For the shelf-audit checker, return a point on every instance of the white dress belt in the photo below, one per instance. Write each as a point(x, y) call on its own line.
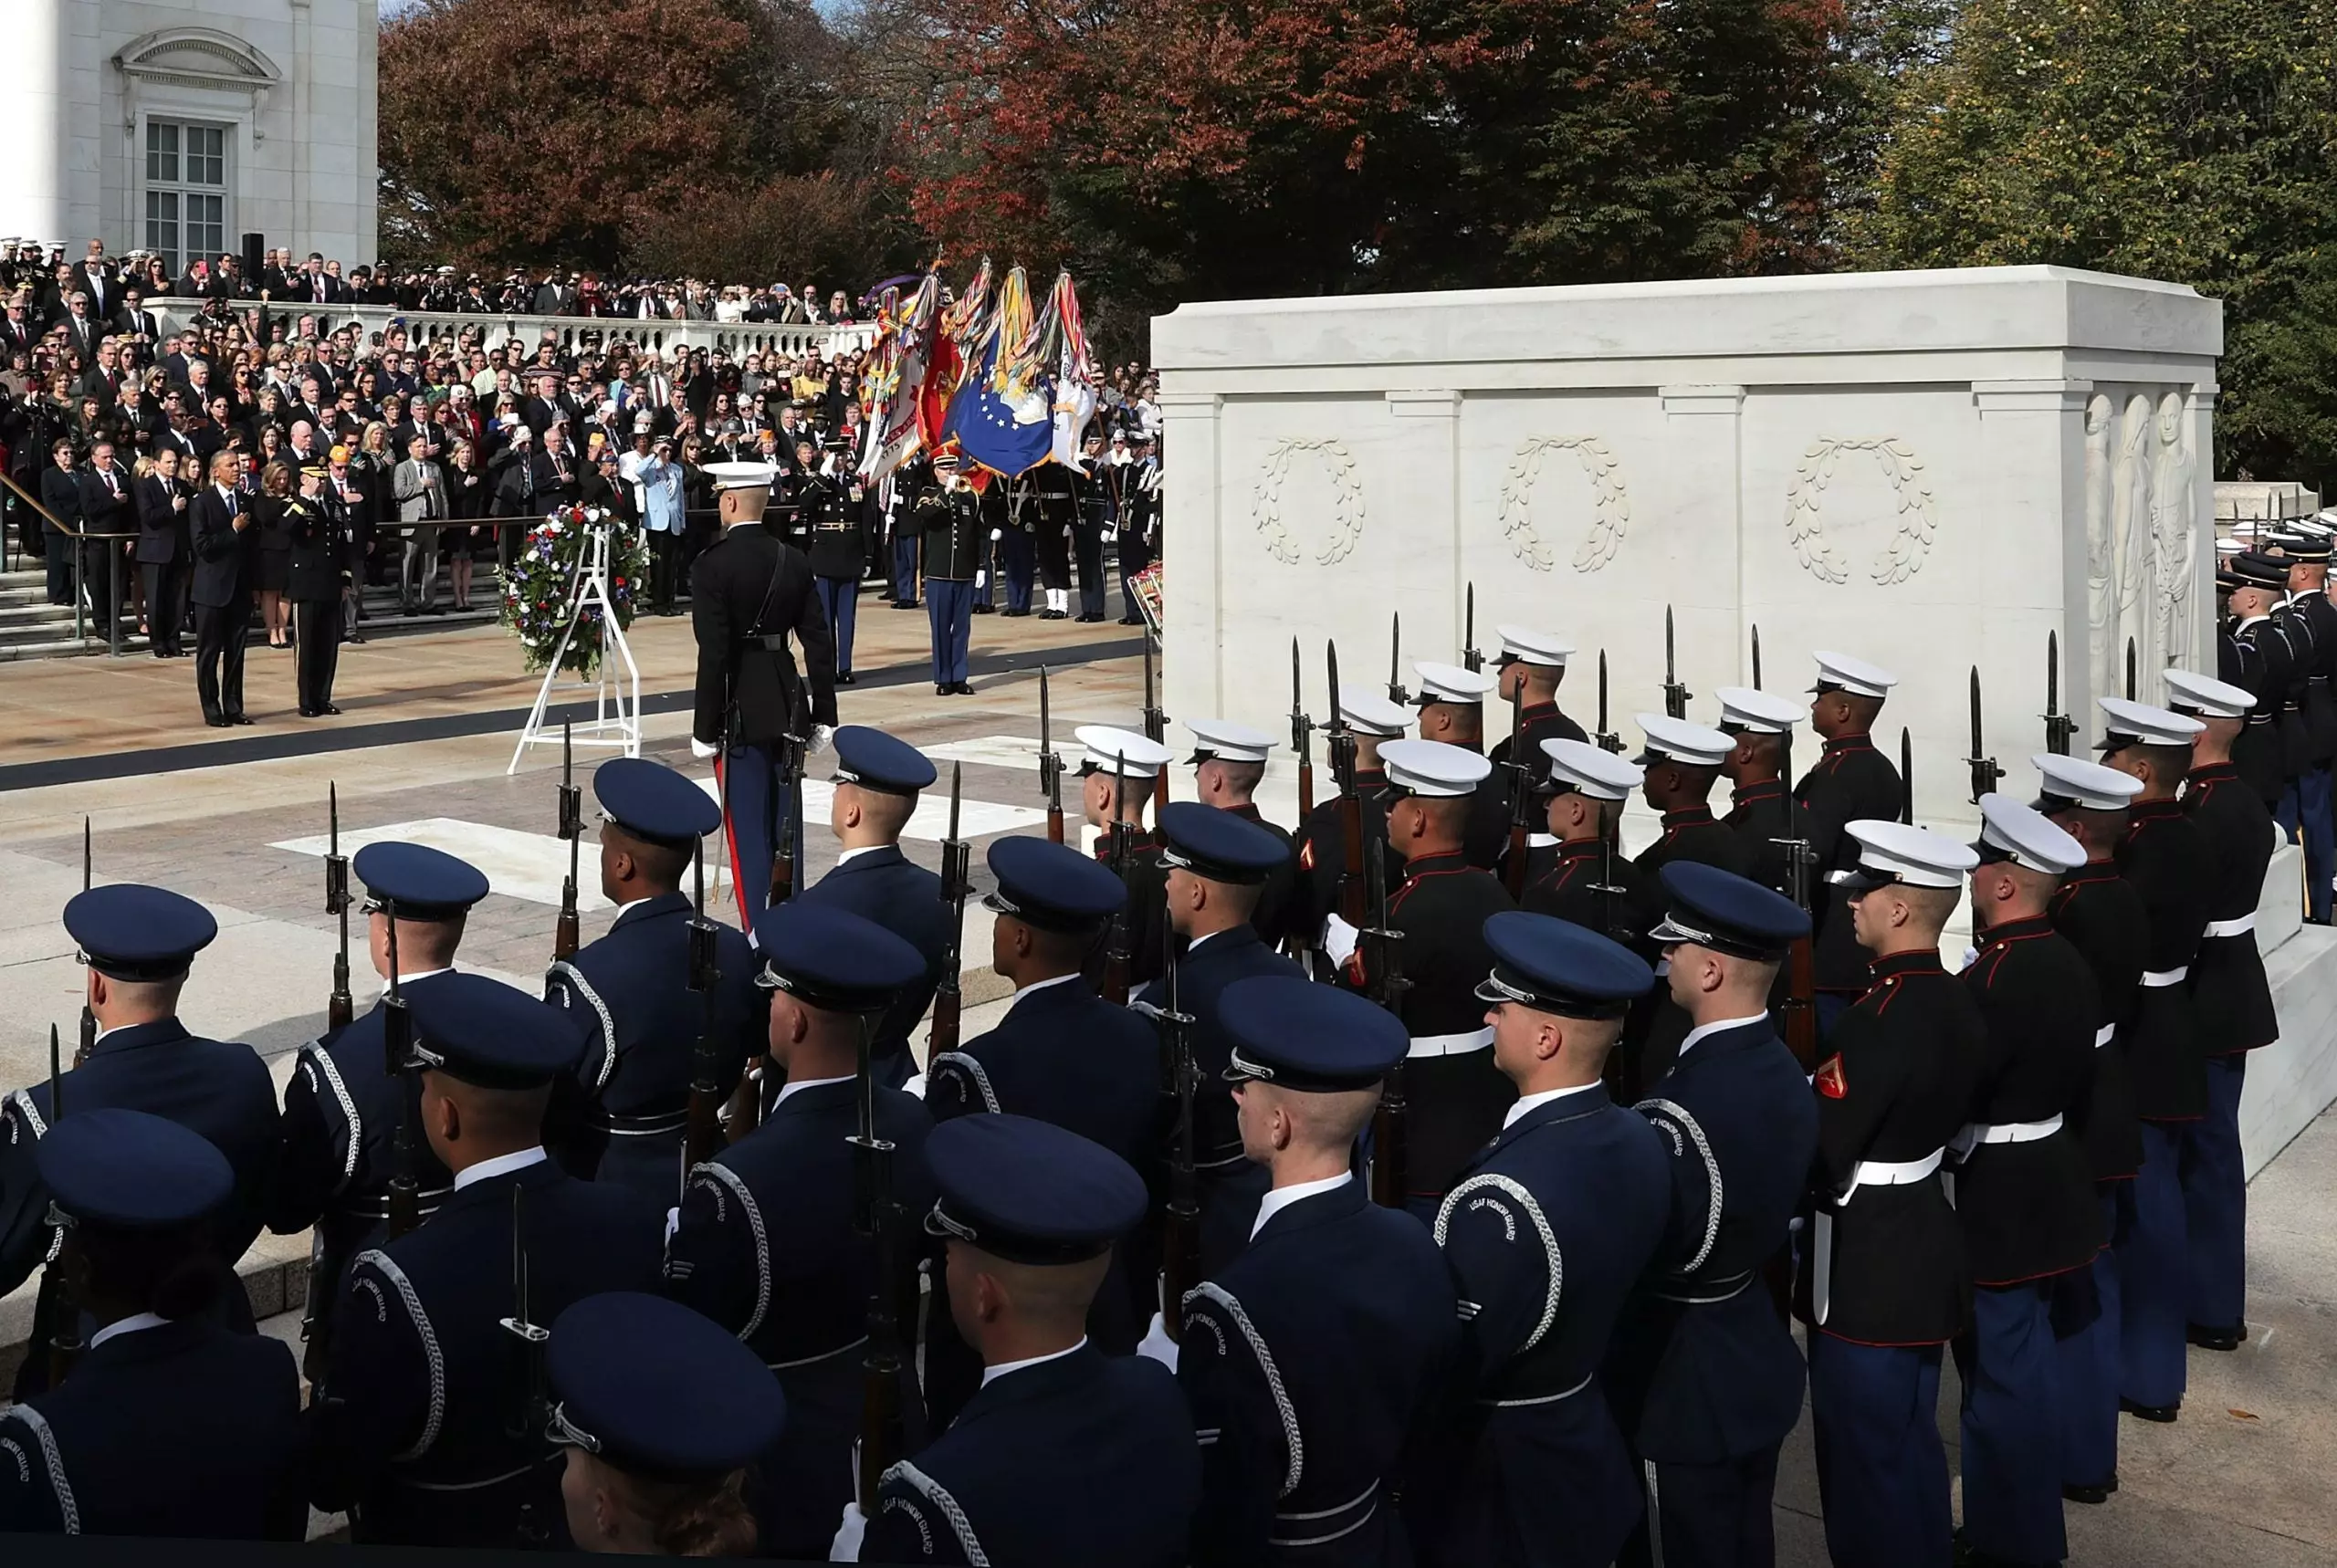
point(2158, 979)
point(2105, 1035)
point(1974, 1133)
point(2239, 927)
point(1890, 1173)
point(1451, 1044)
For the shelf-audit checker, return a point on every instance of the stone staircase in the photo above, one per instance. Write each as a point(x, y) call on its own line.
point(32, 628)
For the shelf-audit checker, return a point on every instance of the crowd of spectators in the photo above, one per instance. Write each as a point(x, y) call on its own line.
point(92, 376)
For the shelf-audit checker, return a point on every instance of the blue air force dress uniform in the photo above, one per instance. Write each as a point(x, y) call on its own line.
point(1850, 781)
point(1586, 880)
point(1125, 754)
point(1219, 847)
point(218, 1089)
point(654, 1390)
point(1063, 1054)
point(423, 1434)
point(1315, 1360)
point(629, 992)
point(880, 883)
point(2103, 916)
point(2234, 999)
point(1548, 1230)
point(169, 1425)
point(1703, 1374)
point(1691, 833)
point(2024, 1190)
point(767, 1240)
point(2165, 858)
point(1883, 1283)
point(1062, 1460)
point(1223, 740)
point(1456, 1092)
point(343, 1104)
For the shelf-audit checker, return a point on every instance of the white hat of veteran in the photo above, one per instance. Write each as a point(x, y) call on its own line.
point(2139, 724)
point(1855, 677)
point(1113, 750)
point(1532, 647)
point(1452, 684)
point(1743, 708)
point(1677, 740)
point(741, 476)
point(1368, 712)
point(1900, 851)
point(2194, 696)
point(1222, 739)
point(1577, 767)
point(2067, 781)
point(2025, 836)
point(1432, 767)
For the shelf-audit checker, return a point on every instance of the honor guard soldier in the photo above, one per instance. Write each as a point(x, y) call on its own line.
point(1062, 1053)
point(750, 592)
point(1229, 761)
point(950, 519)
point(1680, 764)
point(1883, 1282)
point(1704, 1378)
point(1456, 1092)
point(1373, 720)
point(909, 483)
point(2254, 650)
point(660, 1411)
point(832, 515)
point(630, 991)
point(766, 1242)
point(1548, 1228)
point(1087, 530)
point(317, 579)
point(1215, 866)
point(2234, 1001)
point(2312, 623)
point(877, 780)
point(1587, 882)
point(1760, 808)
point(1315, 1360)
point(2166, 858)
point(342, 1104)
point(1065, 1458)
point(1115, 778)
point(2023, 1187)
point(1452, 713)
point(1850, 781)
point(1530, 665)
point(1052, 509)
point(424, 1435)
point(169, 1425)
point(2103, 916)
point(139, 944)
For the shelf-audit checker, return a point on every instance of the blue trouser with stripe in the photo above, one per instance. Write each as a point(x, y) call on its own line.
point(2010, 1368)
point(2154, 1274)
point(1881, 1468)
point(2304, 818)
point(1707, 1516)
point(2091, 1358)
point(840, 602)
point(751, 782)
point(950, 611)
point(2215, 1201)
point(1019, 561)
point(905, 568)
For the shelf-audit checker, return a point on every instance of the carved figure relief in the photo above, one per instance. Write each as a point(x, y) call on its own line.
point(2131, 529)
point(1346, 510)
point(1918, 515)
point(2174, 534)
point(1611, 512)
point(2102, 622)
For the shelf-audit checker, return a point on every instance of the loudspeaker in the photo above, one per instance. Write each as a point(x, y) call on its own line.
point(255, 252)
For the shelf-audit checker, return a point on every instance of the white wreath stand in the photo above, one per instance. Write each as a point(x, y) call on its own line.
point(616, 694)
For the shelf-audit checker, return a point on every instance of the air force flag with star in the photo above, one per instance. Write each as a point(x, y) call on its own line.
point(1006, 437)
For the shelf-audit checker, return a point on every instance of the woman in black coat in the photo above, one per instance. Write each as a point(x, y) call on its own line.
point(273, 557)
point(469, 496)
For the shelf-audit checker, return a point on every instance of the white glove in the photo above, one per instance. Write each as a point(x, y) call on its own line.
point(673, 1224)
point(1971, 956)
point(981, 577)
point(846, 1546)
point(914, 1084)
point(822, 736)
point(997, 534)
point(704, 750)
point(1157, 1344)
point(1339, 939)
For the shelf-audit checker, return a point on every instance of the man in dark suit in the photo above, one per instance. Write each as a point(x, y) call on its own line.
point(554, 469)
point(94, 276)
point(17, 331)
point(161, 506)
point(60, 498)
point(82, 330)
point(223, 592)
point(107, 507)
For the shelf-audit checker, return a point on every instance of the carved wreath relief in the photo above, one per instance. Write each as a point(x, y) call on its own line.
point(2141, 538)
point(1918, 514)
point(1346, 510)
point(1610, 502)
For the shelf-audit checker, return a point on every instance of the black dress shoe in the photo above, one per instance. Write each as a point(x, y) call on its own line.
point(940, 690)
point(985, 610)
point(307, 713)
point(907, 604)
point(216, 720)
point(1131, 619)
point(2090, 1496)
point(327, 710)
point(2215, 1338)
point(962, 689)
point(845, 679)
point(2162, 1414)
point(1089, 620)
point(239, 718)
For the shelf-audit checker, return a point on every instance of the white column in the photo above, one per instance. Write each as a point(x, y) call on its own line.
point(34, 124)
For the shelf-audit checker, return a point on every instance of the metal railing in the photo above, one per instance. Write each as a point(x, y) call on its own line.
point(426, 329)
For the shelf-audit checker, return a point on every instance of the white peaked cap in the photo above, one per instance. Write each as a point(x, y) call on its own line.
point(1592, 770)
point(1121, 750)
point(1853, 675)
point(2024, 835)
point(1432, 767)
point(2066, 781)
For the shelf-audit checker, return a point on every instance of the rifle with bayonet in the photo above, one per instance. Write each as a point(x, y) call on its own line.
point(747, 1099)
point(1180, 1247)
point(2059, 727)
point(1122, 842)
point(339, 1006)
point(957, 871)
point(1906, 777)
point(2129, 670)
point(1676, 695)
point(1387, 986)
point(1606, 739)
point(1985, 770)
point(1050, 764)
point(64, 1307)
point(564, 939)
point(1800, 1003)
point(1396, 692)
point(88, 1041)
point(397, 1051)
point(1471, 659)
point(1156, 729)
point(1302, 736)
point(532, 1405)
point(881, 1440)
point(1521, 794)
point(703, 1136)
point(1341, 739)
point(791, 790)
point(1757, 662)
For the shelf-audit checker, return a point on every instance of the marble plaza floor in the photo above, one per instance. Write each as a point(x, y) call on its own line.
point(236, 820)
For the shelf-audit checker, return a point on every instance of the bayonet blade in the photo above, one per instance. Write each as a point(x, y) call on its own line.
point(1756, 658)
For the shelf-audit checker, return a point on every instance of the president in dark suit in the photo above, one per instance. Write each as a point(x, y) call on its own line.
point(223, 543)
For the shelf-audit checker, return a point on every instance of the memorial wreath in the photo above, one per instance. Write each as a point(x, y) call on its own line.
point(544, 587)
